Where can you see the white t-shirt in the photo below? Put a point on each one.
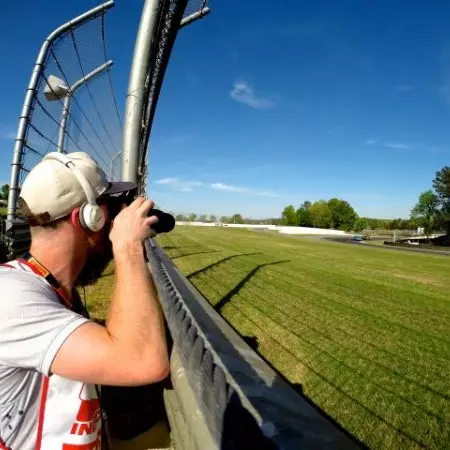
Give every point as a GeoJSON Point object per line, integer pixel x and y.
{"type": "Point", "coordinates": [40, 410]}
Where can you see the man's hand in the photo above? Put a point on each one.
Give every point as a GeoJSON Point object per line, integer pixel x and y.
{"type": "Point", "coordinates": [131, 226]}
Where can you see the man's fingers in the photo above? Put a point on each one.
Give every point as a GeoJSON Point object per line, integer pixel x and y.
{"type": "Point", "coordinates": [145, 207]}
{"type": "Point", "coordinates": [151, 221]}
{"type": "Point", "coordinates": [136, 203]}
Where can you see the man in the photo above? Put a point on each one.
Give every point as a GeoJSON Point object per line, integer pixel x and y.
{"type": "Point", "coordinates": [51, 356]}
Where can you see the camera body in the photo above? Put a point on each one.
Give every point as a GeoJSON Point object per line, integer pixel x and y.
{"type": "Point", "coordinates": [166, 222]}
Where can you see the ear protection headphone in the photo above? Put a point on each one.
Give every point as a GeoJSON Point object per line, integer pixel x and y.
{"type": "Point", "coordinates": [91, 216]}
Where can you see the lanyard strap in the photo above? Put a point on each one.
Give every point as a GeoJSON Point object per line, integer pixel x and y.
{"type": "Point", "coordinates": [39, 269]}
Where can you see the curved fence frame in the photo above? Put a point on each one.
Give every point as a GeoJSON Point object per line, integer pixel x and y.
{"type": "Point", "coordinates": [28, 104]}
{"type": "Point", "coordinates": [158, 29]}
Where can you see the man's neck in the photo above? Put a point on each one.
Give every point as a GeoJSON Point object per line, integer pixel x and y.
{"type": "Point", "coordinates": [63, 264]}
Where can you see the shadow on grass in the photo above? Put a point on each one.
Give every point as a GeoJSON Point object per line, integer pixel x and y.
{"type": "Point", "coordinates": [193, 253]}
{"type": "Point", "coordinates": [230, 423]}
{"type": "Point", "coordinates": [227, 297]}
{"type": "Point", "coordinates": [169, 247]}
{"type": "Point", "coordinates": [252, 341]}
{"type": "Point", "coordinates": [210, 266]}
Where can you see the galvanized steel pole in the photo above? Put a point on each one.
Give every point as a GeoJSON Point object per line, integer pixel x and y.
{"type": "Point", "coordinates": [134, 108]}
{"type": "Point", "coordinates": [111, 165]}
{"type": "Point", "coordinates": [195, 16]}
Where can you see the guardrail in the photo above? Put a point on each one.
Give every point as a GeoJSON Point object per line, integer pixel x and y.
{"type": "Point", "coordinates": [225, 396]}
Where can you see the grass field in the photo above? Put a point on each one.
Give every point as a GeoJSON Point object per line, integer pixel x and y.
{"type": "Point", "coordinates": [365, 331]}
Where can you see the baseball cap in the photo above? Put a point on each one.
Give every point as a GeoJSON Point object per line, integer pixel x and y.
{"type": "Point", "coordinates": [52, 191]}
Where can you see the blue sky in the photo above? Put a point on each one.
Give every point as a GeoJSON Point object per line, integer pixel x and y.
{"type": "Point", "coordinates": [270, 103]}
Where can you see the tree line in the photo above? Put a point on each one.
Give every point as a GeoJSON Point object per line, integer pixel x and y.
{"type": "Point", "coordinates": [334, 213]}
{"type": "Point", "coordinates": [340, 215]}
{"type": "Point", "coordinates": [432, 210]}
{"type": "Point", "coordinates": [235, 218]}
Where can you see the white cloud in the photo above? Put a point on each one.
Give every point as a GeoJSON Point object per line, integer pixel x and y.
{"type": "Point", "coordinates": [244, 93]}
{"type": "Point", "coordinates": [179, 185]}
{"type": "Point", "coordinates": [370, 141]}
{"type": "Point", "coordinates": [397, 145]}
{"type": "Point", "coordinates": [231, 188]}
{"type": "Point", "coordinates": [227, 187]}
{"type": "Point", "coordinates": [404, 87]}
{"type": "Point", "coordinates": [189, 185]}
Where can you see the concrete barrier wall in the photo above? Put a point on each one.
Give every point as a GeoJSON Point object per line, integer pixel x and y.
{"type": "Point", "coordinates": [281, 229]}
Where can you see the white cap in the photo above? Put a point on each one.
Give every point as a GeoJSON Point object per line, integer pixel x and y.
{"type": "Point", "coordinates": [52, 191]}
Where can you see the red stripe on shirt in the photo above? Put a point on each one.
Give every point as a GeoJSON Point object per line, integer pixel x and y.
{"type": "Point", "coordinates": [42, 413]}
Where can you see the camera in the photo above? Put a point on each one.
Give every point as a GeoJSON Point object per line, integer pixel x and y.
{"type": "Point", "coordinates": [165, 224]}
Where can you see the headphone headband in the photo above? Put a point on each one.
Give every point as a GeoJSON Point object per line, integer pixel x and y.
{"type": "Point", "coordinates": [91, 195]}
{"type": "Point", "coordinates": [91, 215]}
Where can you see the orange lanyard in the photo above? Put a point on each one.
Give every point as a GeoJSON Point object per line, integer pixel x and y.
{"type": "Point", "coordinates": [39, 269]}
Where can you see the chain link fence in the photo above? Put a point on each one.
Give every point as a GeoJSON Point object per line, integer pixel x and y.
{"type": "Point", "coordinates": [70, 103]}
{"type": "Point", "coordinates": [65, 91]}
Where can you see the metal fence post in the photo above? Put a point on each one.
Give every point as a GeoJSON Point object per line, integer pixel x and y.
{"type": "Point", "coordinates": [136, 91]}
{"type": "Point", "coordinates": [68, 99]}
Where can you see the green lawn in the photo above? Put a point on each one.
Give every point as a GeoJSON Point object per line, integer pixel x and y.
{"type": "Point", "coordinates": [364, 330]}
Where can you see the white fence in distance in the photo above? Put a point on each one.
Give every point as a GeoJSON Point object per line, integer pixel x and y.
{"type": "Point", "coordinates": [279, 228]}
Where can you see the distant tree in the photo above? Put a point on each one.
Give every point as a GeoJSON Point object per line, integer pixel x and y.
{"type": "Point", "coordinates": [180, 218]}
{"type": "Point", "coordinates": [361, 224]}
{"type": "Point", "coordinates": [212, 218]}
{"type": "Point", "coordinates": [192, 217]}
{"type": "Point", "coordinates": [441, 185]}
{"type": "Point", "coordinates": [395, 224]}
{"type": "Point", "coordinates": [4, 192]}
{"type": "Point", "coordinates": [288, 216]}
{"type": "Point", "coordinates": [379, 224]}
{"type": "Point", "coordinates": [320, 215]}
{"type": "Point", "coordinates": [203, 218]}
{"type": "Point", "coordinates": [406, 224]}
{"type": "Point", "coordinates": [236, 218]}
{"type": "Point", "coordinates": [426, 210]}
{"type": "Point", "coordinates": [342, 213]}
{"type": "Point", "coordinates": [302, 213]}
{"type": "Point", "coordinates": [225, 219]}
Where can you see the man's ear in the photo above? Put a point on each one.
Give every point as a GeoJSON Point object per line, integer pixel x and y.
{"type": "Point", "coordinates": [75, 219]}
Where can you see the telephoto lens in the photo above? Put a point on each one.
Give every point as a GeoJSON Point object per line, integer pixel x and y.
{"type": "Point", "coordinates": [166, 222]}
